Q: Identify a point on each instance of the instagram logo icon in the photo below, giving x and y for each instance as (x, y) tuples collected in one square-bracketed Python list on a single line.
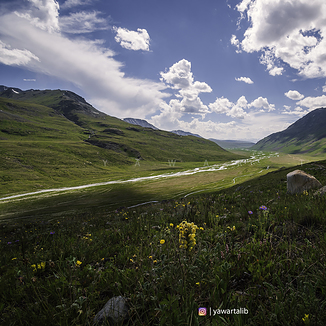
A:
[(202, 311)]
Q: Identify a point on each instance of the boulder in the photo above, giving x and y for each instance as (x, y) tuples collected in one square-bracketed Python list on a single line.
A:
[(321, 191), (115, 311), (299, 181)]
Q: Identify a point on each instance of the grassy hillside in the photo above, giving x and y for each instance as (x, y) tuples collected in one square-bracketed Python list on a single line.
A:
[(255, 247), (307, 135), (52, 138)]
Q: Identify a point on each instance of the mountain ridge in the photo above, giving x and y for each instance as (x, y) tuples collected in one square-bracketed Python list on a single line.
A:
[(306, 135)]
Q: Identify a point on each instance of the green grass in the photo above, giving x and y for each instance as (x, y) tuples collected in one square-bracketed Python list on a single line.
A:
[(68, 144), (271, 262)]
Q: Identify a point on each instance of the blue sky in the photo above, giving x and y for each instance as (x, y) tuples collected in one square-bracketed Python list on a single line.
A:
[(224, 69)]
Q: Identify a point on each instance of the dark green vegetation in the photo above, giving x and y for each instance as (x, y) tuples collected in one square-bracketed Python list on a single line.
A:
[(307, 135), (257, 247), (55, 138)]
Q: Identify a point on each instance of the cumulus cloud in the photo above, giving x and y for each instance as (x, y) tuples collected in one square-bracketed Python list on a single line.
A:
[(234, 110), (254, 126), (180, 77), (291, 32), (17, 57), (87, 64), (262, 103), (82, 22), (132, 40), (313, 103), (246, 80), (43, 14), (294, 95)]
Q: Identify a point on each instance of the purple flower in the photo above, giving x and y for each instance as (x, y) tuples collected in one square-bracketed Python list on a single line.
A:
[(250, 212), (52, 232), (17, 241), (8, 242), (264, 208)]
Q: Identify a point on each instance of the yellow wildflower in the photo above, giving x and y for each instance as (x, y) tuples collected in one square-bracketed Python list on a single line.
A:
[(78, 263), (162, 241)]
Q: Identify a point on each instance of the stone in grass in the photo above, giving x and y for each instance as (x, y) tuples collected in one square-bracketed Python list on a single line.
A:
[(115, 311), (320, 192), (299, 181)]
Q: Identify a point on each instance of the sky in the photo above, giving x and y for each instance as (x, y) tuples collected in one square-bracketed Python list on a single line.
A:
[(223, 69)]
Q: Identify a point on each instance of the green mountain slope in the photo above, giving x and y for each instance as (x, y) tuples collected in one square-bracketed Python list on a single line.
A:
[(49, 138), (307, 135)]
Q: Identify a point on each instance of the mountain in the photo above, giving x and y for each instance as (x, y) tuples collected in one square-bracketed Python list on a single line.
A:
[(54, 137), (140, 122), (306, 135), (227, 144), (185, 133)]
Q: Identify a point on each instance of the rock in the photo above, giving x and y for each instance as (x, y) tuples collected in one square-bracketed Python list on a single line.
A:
[(321, 191), (115, 311), (299, 181)]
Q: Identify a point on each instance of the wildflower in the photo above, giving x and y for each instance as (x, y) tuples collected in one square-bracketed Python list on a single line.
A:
[(131, 260), (197, 283), (52, 232), (171, 224), (9, 243), (231, 229), (162, 241), (78, 263), (201, 228), (150, 257), (264, 208), (187, 235), (14, 258), (250, 212), (155, 261), (306, 318), (34, 267), (102, 259)]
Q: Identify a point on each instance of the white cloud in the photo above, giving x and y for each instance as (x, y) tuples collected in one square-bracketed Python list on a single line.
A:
[(224, 106), (324, 88), (17, 57), (246, 80), (132, 40), (268, 59), (313, 103), (180, 77), (87, 64), (74, 3), (234, 41), (254, 125), (262, 103), (43, 14), (294, 95), (298, 111), (82, 22), (292, 32)]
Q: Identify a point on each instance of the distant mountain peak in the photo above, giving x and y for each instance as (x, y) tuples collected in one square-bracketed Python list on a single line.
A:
[(140, 122)]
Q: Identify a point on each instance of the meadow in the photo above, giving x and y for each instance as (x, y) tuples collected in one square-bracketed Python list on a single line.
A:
[(249, 246)]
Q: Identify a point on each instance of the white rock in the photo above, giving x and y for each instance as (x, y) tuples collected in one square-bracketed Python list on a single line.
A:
[(115, 310), (299, 181)]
